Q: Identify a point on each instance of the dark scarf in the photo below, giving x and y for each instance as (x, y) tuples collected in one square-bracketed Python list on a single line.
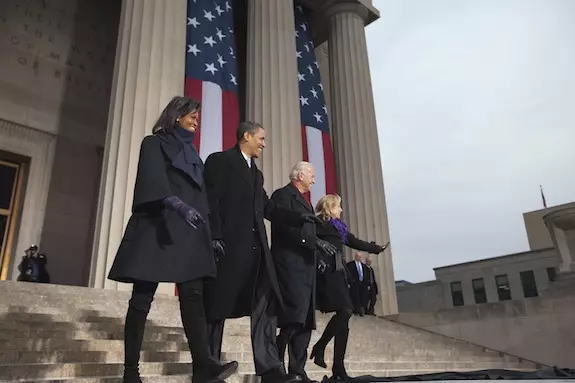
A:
[(343, 232), (188, 159)]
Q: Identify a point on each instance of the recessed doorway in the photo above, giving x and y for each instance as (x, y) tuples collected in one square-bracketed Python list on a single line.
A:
[(12, 173)]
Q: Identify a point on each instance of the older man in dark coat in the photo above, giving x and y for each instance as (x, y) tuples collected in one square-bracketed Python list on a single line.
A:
[(246, 283), (293, 249)]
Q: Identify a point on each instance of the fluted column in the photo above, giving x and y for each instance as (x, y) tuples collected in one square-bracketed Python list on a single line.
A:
[(356, 141), (148, 72), (272, 86)]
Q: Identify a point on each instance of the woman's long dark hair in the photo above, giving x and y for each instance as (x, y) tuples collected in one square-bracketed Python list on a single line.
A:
[(178, 107)]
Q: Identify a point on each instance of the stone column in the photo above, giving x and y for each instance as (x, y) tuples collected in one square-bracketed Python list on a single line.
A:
[(149, 71), (272, 90), (356, 143)]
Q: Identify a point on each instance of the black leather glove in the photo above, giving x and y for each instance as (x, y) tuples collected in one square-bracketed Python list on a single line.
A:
[(326, 247), (380, 249), (219, 249), (311, 218), (189, 214)]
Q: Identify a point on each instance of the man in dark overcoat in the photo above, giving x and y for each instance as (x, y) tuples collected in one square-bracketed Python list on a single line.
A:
[(293, 249), (246, 283), (371, 287)]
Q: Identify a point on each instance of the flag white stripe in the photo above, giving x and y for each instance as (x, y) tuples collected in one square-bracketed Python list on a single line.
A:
[(211, 132), (316, 157)]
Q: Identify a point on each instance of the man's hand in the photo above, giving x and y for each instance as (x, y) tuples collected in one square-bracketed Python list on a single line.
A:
[(311, 218), (326, 247), (219, 249), (322, 266)]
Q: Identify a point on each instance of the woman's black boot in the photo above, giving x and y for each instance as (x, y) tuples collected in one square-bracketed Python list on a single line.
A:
[(339, 348)]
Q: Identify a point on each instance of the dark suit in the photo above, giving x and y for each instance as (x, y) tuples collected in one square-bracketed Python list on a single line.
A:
[(293, 249), (246, 282), (358, 286)]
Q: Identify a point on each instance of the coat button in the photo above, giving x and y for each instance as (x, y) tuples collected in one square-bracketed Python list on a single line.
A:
[(253, 247), (303, 241)]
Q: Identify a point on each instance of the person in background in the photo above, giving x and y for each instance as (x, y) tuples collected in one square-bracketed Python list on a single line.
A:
[(168, 239), (358, 283), (332, 285), (371, 287)]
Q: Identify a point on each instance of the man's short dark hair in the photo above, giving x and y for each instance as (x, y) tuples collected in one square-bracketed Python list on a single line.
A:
[(247, 126)]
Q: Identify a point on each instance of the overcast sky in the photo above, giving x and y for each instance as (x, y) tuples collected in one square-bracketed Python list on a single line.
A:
[(475, 103)]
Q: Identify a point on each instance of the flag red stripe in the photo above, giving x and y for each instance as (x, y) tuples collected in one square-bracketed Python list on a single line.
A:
[(230, 118), (193, 89), (329, 161)]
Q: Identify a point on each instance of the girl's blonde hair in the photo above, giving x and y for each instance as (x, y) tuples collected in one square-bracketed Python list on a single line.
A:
[(326, 205)]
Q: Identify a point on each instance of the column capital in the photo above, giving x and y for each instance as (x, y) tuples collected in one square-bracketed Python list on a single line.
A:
[(324, 10), (331, 8)]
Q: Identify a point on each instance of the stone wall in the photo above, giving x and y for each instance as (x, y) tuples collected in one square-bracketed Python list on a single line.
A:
[(539, 329), (57, 59), (420, 296)]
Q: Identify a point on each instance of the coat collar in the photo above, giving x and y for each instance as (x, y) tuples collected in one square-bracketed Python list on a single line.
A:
[(299, 197)]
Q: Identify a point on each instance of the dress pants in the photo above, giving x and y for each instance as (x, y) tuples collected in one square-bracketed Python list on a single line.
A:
[(263, 322)]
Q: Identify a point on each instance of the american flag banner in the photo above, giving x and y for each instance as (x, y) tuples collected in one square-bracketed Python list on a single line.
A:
[(316, 140), (211, 73)]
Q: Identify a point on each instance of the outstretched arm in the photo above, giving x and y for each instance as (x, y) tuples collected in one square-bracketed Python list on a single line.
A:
[(360, 245), (305, 235)]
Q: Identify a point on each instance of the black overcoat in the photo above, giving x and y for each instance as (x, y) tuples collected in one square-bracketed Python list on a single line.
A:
[(332, 287), (158, 246), (293, 249), (238, 204)]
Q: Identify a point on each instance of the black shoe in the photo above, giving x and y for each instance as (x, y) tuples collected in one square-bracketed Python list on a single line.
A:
[(213, 374), (318, 356), (277, 376), (131, 375), (340, 375)]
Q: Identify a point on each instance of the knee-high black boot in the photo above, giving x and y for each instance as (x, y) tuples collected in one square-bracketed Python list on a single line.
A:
[(138, 309), (133, 337), (318, 350), (205, 368), (339, 348)]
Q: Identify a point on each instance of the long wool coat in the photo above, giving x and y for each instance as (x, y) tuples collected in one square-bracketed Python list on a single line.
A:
[(238, 204), (293, 249), (158, 246), (332, 286)]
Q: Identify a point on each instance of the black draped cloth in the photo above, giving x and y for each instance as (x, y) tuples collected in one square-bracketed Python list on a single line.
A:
[(553, 373)]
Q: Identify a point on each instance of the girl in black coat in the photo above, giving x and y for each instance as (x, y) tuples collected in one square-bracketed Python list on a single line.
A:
[(332, 287), (167, 239)]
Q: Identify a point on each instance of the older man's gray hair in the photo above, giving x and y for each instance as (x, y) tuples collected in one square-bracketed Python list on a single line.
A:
[(297, 169)]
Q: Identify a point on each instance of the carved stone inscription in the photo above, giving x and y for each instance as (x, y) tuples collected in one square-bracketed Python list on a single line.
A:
[(61, 47)]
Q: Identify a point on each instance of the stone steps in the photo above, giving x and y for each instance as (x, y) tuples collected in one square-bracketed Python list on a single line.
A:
[(62, 333), (12, 357), (25, 335)]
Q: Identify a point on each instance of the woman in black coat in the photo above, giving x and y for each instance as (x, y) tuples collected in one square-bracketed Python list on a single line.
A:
[(332, 287), (167, 239)]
